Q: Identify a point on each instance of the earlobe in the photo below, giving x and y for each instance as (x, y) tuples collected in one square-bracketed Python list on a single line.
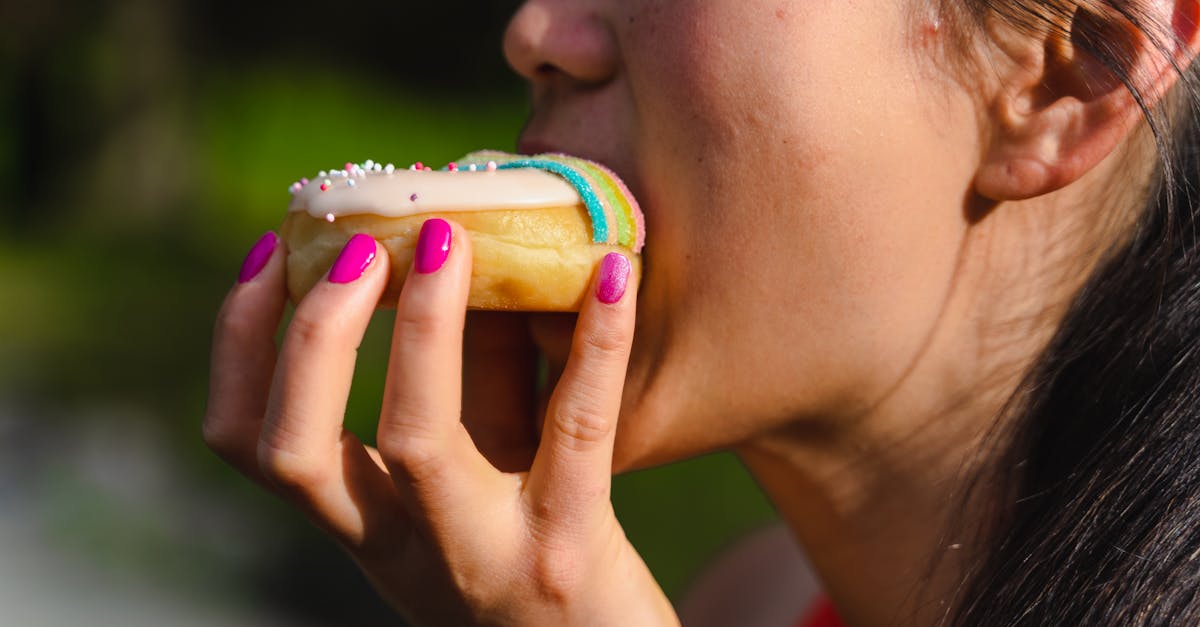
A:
[(1069, 105), (1047, 143)]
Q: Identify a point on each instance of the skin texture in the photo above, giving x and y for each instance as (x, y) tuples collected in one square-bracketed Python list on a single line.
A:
[(798, 200), (855, 248), (446, 537), (852, 255), (797, 274)]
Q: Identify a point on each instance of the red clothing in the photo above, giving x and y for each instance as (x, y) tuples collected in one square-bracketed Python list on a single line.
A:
[(821, 614)]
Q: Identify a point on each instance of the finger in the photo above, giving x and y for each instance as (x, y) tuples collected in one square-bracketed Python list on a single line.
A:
[(303, 449), (243, 356), (421, 436), (499, 376), (573, 468)]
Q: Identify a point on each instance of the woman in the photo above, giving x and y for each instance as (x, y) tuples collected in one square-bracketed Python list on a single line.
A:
[(922, 265)]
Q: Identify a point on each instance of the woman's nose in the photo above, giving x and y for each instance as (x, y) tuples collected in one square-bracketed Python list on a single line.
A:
[(551, 39)]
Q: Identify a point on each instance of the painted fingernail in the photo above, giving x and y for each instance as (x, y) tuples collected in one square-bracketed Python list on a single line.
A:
[(433, 246), (258, 256), (358, 253), (614, 275)]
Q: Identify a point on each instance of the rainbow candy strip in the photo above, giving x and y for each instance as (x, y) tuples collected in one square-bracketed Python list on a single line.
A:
[(615, 214)]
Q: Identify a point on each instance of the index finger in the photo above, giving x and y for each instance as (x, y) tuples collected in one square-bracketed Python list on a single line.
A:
[(573, 467)]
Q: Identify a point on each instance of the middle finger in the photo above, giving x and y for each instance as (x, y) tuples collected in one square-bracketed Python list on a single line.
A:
[(303, 449), (421, 436)]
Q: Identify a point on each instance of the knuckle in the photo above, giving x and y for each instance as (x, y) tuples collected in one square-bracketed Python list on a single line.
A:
[(478, 586), (415, 457), (415, 325), (286, 469), (234, 324), (308, 330), (557, 575), (605, 342), (217, 434), (581, 425)]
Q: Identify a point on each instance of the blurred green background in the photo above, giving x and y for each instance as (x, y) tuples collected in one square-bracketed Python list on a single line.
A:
[(145, 145)]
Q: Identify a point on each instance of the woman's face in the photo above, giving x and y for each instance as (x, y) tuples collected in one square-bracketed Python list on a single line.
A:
[(803, 167)]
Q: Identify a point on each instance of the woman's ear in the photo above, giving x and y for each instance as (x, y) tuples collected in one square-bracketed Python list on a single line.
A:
[(1063, 105)]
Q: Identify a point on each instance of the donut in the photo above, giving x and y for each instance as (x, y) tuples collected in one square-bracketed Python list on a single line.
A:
[(538, 224)]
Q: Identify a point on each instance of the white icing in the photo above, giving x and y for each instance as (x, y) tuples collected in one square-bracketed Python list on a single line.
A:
[(391, 194)]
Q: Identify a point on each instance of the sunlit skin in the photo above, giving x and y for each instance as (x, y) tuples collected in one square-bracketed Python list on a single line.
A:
[(826, 292), (856, 245), (820, 294), (805, 209)]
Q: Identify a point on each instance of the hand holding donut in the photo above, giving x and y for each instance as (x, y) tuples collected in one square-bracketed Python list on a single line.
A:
[(442, 534)]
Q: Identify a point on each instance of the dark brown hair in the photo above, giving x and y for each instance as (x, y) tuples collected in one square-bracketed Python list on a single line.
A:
[(1094, 504)]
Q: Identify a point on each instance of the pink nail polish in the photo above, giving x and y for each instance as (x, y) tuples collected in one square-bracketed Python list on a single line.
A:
[(614, 275), (258, 256), (433, 246), (358, 253)]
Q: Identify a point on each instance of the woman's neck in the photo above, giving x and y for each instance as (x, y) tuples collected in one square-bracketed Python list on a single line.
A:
[(872, 515), (878, 498), (876, 508)]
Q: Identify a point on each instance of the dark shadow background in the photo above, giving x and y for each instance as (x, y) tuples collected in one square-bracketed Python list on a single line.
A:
[(144, 145)]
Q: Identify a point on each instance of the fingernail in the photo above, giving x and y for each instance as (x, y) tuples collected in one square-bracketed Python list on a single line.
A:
[(258, 256), (614, 275), (358, 253), (433, 246)]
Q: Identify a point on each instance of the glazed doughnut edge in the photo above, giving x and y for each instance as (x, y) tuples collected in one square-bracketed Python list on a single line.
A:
[(527, 260), (538, 225)]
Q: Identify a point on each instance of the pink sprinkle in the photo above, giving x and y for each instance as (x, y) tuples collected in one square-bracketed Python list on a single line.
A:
[(491, 166), (324, 187), (349, 166), (304, 181), (329, 217), (413, 198), (418, 165), (296, 187), (427, 169), (453, 167)]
